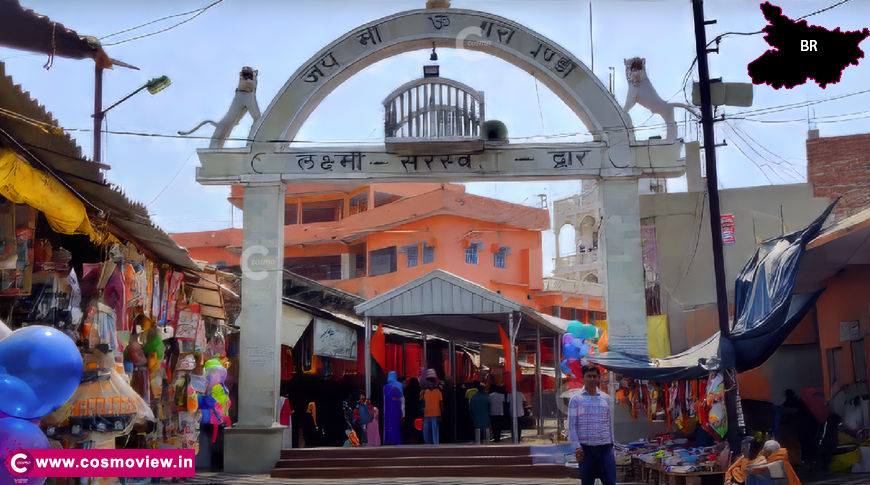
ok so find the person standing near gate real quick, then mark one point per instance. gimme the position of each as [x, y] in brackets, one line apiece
[590, 423]
[434, 410]
[480, 414]
[496, 412]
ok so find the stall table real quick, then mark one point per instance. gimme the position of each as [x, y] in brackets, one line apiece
[658, 475]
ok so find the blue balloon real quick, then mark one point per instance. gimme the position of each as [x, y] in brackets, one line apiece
[571, 352]
[14, 434]
[584, 350]
[40, 369]
[565, 369]
[578, 342]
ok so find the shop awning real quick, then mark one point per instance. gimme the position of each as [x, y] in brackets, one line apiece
[22, 28]
[766, 312]
[54, 149]
[445, 305]
[23, 184]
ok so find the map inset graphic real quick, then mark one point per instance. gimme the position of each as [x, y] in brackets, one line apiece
[800, 51]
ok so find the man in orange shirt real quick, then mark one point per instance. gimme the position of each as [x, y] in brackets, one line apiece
[433, 411]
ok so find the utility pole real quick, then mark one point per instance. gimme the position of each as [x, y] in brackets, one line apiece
[98, 113]
[731, 402]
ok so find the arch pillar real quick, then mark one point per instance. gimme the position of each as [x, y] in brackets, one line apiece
[253, 444]
[624, 290]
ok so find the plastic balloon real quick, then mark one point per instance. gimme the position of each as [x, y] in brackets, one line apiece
[4, 331]
[4, 415]
[574, 328]
[576, 368]
[588, 331]
[577, 342]
[19, 433]
[571, 352]
[575, 384]
[566, 339]
[40, 369]
[585, 350]
[565, 369]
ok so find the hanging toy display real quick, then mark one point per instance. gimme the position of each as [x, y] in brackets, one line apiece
[574, 349]
[712, 410]
[215, 402]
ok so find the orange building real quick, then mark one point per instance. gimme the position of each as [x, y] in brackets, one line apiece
[374, 238]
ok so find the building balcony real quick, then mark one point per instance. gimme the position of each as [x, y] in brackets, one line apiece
[574, 287]
[576, 260]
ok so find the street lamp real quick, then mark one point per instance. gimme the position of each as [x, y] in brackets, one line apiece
[153, 86]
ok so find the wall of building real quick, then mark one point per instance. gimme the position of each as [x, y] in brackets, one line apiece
[840, 165]
[685, 256]
[846, 299]
[518, 281]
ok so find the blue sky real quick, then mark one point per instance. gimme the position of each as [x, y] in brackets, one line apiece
[203, 57]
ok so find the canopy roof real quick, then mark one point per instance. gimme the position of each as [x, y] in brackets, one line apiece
[442, 304]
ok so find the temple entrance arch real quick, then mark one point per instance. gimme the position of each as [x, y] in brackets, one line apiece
[415, 30]
[270, 160]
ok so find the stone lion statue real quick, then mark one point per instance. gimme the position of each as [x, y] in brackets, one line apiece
[245, 101]
[642, 92]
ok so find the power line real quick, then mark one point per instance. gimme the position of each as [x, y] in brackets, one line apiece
[149, 23]
[761, 155]
[171, 180]
[754, 162]
[202, 11]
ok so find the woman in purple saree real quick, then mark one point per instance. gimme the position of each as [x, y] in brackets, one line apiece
[394, 410]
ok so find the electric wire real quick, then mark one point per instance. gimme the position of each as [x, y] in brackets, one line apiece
[202, 11]
[151, 22]
[791, 164]
[769, 161]
[172, 179]
[754, 162]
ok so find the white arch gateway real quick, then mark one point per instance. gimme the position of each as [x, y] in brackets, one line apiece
[270, 160]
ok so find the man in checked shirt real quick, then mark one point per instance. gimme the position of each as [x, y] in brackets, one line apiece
[590, 423]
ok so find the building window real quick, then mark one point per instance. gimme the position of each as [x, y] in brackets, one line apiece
[500, 258]
[428, 254]
[471, 254]
[382, 261]
[412, 253]
[322, 211]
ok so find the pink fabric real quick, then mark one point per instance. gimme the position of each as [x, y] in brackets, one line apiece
[373, 428]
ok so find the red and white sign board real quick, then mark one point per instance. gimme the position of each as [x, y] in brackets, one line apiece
[728, 229]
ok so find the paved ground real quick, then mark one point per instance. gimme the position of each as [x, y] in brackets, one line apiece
[225, 479]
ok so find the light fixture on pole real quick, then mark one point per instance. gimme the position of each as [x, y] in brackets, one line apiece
[153, 86]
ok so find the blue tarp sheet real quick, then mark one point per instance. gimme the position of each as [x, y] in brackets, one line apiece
[766, 312]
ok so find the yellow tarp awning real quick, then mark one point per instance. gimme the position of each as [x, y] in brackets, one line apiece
[22, 184]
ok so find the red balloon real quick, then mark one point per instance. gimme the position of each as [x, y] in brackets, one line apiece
[418, 423]
[575, 366]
